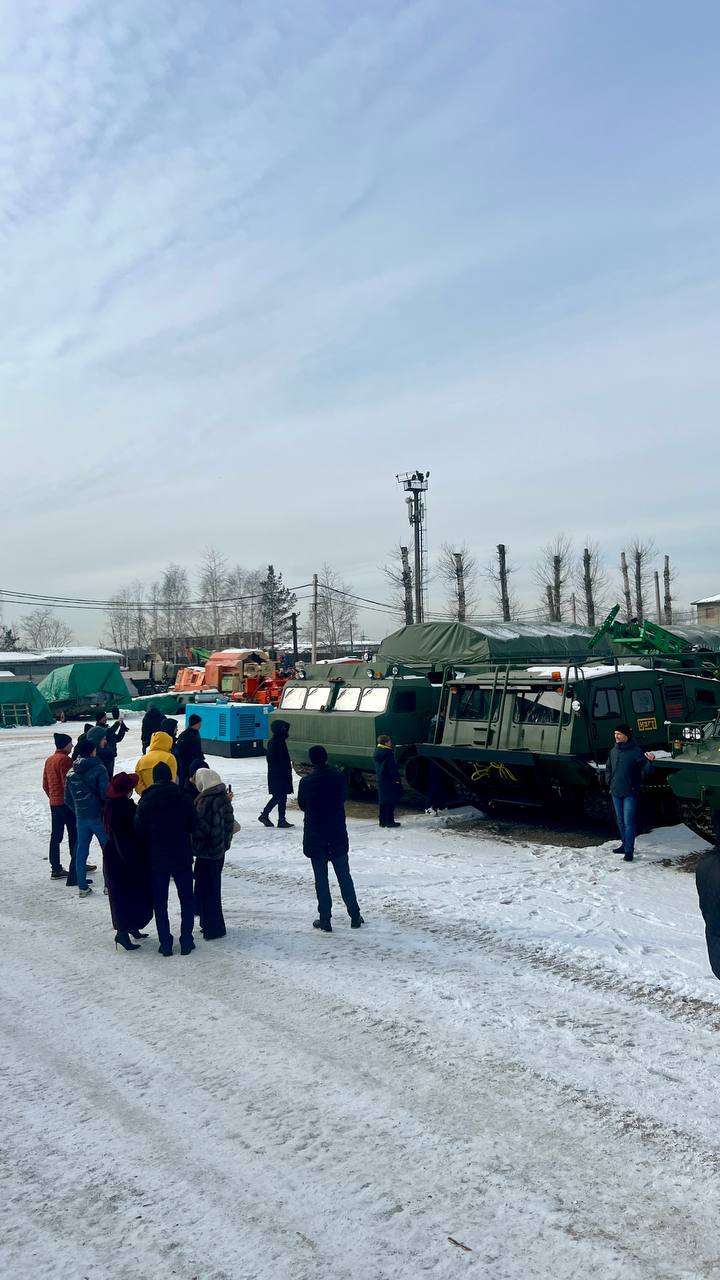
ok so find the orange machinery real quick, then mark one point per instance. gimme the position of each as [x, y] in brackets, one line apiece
[244, 675]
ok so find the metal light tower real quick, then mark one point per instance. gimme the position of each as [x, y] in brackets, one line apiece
[415, 484]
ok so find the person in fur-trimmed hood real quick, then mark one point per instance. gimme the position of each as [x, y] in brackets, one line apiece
[211, 841]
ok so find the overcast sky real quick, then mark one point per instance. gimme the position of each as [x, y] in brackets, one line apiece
[259, 256]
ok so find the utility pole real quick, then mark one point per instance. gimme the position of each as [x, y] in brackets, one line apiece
[626, 586]
[503, 575]
[407, 585]
[415, 484]
[657, 596]
[668, 597]
[293, 620]
[313, 648]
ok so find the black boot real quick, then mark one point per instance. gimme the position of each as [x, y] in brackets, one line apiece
[133, 934]
[166, 949]
[123, 937]
[325, 926]
[356, 922]
[187, 947]
[284, 823]
[58, 873]
[265, 820]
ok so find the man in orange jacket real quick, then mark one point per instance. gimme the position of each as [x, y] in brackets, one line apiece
[57, 767]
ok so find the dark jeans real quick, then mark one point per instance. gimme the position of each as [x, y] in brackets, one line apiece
[182, 875]
[281, 802]
[386, 815]
[626, 814]
[341, 866]
[62, 819]
[208, 896]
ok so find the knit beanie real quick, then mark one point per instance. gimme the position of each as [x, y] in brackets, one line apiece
[62, 740]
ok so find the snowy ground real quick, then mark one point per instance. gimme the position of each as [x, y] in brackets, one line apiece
[510, 1072]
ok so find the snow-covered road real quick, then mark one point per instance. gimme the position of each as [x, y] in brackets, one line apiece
[517, 1055]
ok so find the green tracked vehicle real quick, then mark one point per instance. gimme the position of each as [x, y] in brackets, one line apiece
[347, 705]
[505, 713]
[541, 736]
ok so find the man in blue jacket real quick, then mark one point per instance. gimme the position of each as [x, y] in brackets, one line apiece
[627, 765]
[85, 788]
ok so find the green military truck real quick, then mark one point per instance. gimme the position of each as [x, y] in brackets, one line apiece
[541, 735]
[694, 776]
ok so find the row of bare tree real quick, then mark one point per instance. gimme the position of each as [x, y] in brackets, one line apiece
[574, 585]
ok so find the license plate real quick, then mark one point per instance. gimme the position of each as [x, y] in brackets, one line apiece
[646, 724]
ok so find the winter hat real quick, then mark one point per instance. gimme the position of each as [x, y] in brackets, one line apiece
[280, 726]
[318, 755]
[62, 740]
[169, 726]
[197, 764]
[193, 721]
[121, 785]
[96, 735]
[101, 717]
[624, 728]
[207, 778]
[85, 748]
[161, 772]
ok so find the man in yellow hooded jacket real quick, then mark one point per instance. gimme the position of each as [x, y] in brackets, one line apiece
[160, 751]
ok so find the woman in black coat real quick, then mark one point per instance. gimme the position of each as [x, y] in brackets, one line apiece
[211, 841]
[125, 864]
[280, 780]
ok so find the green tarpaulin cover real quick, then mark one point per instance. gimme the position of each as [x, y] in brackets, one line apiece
[80, 681]
[443, 644]
[165, 702]
[15, 696]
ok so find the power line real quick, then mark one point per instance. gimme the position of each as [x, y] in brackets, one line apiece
[26, 598]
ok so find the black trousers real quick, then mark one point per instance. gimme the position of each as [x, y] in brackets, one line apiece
[62, 818]
[341, 867]
[386, 815]
[713, 947]
[208, 896]
[281, 801]
[182, 875]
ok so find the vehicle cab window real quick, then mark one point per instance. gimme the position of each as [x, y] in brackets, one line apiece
[347, 700]
[473, 703]
[317, 698]
[374, 700]
[606, 703]
[643, 701]
[293, 698]
[540, 706]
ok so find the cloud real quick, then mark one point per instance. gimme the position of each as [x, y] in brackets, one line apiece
[258, 258]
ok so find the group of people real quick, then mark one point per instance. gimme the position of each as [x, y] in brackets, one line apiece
[181, 827]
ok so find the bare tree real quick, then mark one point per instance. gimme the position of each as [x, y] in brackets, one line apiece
[590, 580]
[458, 570]
[554, 572]
[213, 592]
[337, 612]
[637, 576]
[174, 608]
[41, 629]
[398, 573]
[119, 621]
[499, 572]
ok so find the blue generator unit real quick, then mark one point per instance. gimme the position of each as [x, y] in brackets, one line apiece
[232, 728]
